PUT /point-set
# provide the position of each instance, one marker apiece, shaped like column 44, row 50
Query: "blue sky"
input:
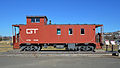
column 106, row 12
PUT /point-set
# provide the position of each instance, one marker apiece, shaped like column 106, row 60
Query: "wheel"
column 28, row 48
column 39, row 48
column 82, row 48
column 23, row 48
column 92, row 48
column 32, row 48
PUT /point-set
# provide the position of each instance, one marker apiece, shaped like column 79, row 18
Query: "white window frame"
column 35, row 20
column 80, row 31
column 72, row 31
column 57, row 31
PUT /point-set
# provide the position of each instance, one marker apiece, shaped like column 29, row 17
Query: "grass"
column 5, row 42
column 5, row 49
column 5, row 46
column 115, row 47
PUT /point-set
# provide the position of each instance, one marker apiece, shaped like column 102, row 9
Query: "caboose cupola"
column 36, row 20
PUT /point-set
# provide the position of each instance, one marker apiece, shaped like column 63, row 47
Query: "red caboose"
column 37, row 34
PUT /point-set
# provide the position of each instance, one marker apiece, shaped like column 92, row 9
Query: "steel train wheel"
column 30, row 48
column 86, row 48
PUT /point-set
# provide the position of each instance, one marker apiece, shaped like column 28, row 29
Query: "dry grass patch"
column 5, row 46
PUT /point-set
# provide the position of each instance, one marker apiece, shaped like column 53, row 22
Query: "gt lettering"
column 31, row 31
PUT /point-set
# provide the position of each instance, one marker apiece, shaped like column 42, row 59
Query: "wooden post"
column 112, row 48
column 106, row 47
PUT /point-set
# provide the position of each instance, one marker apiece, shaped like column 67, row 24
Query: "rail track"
column 54, row 52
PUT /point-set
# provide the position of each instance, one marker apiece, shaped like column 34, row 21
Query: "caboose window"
column 58, row 31
column 35, row 20
column 70, row 31
column 82, row 31
column 32, row 20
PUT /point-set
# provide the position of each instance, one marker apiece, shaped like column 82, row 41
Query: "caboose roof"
column 77, row 24
column 96, row 25
column 36, row 17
